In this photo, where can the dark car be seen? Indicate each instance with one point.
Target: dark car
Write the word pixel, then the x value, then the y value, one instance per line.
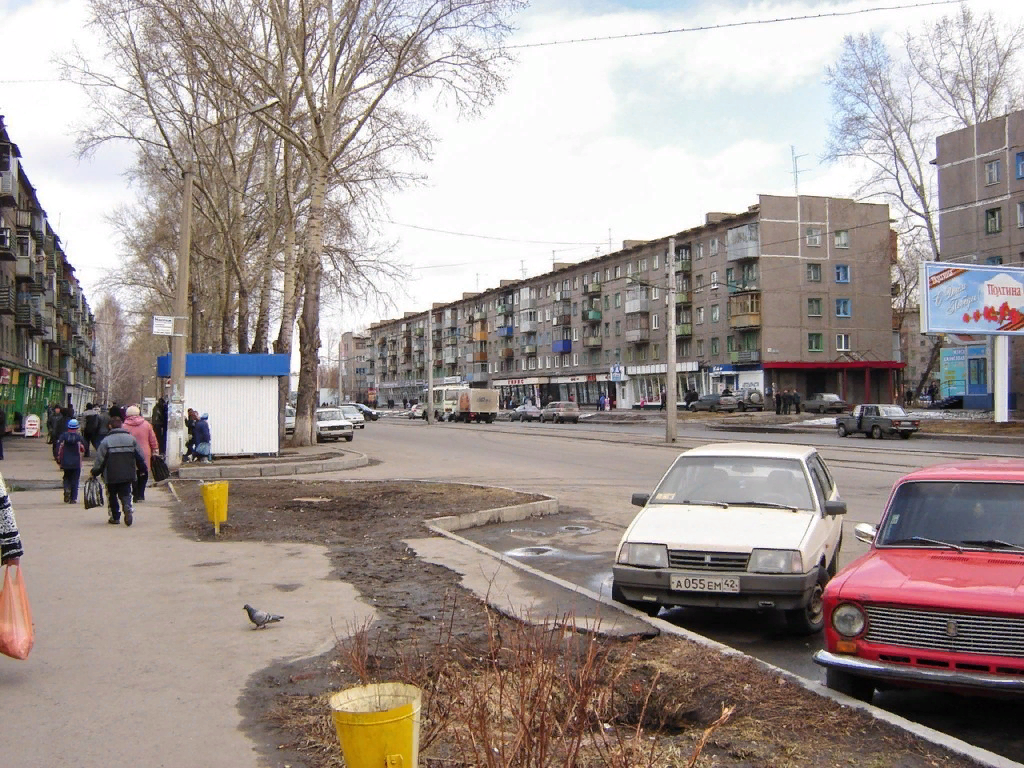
pixel 525 412
pixel 877 421
pixel 368 412
pixel 714 402
pixel 825 402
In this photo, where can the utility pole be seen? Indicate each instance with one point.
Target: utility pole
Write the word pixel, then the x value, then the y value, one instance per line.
pixel 176 413
pixel 670 373
pixel 429 405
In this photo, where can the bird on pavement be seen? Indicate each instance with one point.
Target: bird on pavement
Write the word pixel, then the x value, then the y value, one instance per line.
pixel 261 618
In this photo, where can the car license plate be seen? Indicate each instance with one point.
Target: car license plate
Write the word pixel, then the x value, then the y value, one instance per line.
pixel 694 582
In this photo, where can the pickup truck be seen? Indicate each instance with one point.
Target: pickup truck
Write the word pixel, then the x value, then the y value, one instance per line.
pixel 877 421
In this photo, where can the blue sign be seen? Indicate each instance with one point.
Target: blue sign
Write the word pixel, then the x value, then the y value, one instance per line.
pixel 972 299
pixel 616 373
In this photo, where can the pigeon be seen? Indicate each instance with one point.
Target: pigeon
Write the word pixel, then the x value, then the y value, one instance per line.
pixel 261 618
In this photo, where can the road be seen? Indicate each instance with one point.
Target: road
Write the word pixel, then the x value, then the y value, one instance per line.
pixel 592 470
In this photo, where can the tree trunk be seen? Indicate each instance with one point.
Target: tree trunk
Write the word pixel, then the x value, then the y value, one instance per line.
pixel 225 312
pixel 261 334
pixel 242 331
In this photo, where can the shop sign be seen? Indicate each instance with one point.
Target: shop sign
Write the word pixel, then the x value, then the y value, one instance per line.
pixel 616 373
pixel 5 375
pixel 15 375
pixel 972 299
pixel 31 425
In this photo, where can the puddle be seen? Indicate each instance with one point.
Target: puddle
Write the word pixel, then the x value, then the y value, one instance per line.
pixel 531 552
pixel 526 533
pixel 576 529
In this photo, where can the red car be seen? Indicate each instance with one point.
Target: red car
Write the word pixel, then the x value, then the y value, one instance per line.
pixel 938 601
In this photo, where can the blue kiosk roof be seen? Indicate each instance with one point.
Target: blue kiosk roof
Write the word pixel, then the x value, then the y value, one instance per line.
pixel 227 365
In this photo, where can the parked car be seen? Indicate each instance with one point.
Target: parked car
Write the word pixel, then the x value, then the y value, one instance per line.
pixel 748 399
pixel 525 412
pixel 560 411
pixel 353 414
pixel 367 411
pixel 417 412
pixel 331 425
pixel 936 601
pixel 735 525
pixel 825 402
pixel 712 401
pixel 878 421
pixel 289 420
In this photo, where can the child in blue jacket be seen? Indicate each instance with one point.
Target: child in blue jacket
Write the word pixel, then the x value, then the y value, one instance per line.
pixel 70 447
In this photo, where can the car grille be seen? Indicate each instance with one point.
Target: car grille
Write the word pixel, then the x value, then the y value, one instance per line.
pixel 944 631
pixel 708 561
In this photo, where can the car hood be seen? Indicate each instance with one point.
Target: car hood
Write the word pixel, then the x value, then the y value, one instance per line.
pixel 334 423
pixel 970 581
pixel 736 529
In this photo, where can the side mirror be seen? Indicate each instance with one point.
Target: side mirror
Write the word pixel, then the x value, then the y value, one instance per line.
pixel 640 499
pixel 865 532
pixel 834 508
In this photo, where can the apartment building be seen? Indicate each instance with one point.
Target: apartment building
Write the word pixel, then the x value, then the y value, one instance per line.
pixel 981 209
pixel 792 291
pixel 355 359
pixel 46 326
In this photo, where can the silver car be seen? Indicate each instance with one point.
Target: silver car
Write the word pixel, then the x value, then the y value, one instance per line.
pixel 350 413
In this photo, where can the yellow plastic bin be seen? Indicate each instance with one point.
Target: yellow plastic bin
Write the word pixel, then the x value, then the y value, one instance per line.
pixel 378 725
pixel 215 497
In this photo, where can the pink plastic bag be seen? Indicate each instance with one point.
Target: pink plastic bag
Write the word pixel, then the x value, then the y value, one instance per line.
pixel 16 632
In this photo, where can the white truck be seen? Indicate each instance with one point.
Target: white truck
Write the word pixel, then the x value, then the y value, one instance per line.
pixel 472 404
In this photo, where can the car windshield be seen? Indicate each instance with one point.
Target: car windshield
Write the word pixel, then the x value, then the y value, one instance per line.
pixel 735 480
pixel 965 514
pixel 329 414
pixel 892 411
pixel 350 410
pixel 829 398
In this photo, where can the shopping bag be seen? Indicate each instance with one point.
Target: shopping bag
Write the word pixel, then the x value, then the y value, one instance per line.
pixel 160 469
pixel 16 632
pixel 93 493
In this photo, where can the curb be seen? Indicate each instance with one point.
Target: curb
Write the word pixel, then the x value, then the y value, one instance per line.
pixel 445 526
pixel 800 430
pixel 250 471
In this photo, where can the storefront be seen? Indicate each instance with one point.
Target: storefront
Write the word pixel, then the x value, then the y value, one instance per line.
pixel 647 382
pixel 515 392
pixel 23 392
pixel 716 378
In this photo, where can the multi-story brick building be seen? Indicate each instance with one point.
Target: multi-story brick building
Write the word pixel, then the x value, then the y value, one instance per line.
pixel 981 207
pixel 355 358
pixel 46 326
pixel 793 291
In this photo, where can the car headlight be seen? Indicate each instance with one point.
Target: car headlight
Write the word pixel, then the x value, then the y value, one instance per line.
pixel 644 555
pixel 848 620
pixel 775 561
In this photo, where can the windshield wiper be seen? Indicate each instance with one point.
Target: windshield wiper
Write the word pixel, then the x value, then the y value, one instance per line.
pixel 771 504
pixel 722 504
pixel 993 543
pixel 923 540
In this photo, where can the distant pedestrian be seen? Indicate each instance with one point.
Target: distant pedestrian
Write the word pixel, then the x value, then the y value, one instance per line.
pixel 118 459
pixel 160 425
pixel 796 401
pixel 779 396
pixel 787 401
pixel 663 396
pixel 70 449
pixel 191 419
pixel 57 425
pixel 145 436
pixel 203 440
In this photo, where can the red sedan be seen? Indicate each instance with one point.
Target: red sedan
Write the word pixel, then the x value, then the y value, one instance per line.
pixel 938 600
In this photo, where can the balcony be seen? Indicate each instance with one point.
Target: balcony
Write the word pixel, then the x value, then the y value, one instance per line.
pixel 684 329
pixel 591 342
pixel 504 308
pixel 451 341
pixel 507 352
pixel 477 356
pixel 635 306
pixel 23 315
pixel 9 187
pixel 684 265
pixel 24 270
pixel 450 356
pixel 528 350
pixel 742 287
pixel 527 326
pixel 7 252
pixel 592 289
pixel 7 300
pixel 506 331
pixel 745 356
pixel 478 336
pixel 476 317
pixel 591 315
pixel 745 320
pixel 436 343
pixel 418 332
pixel 561 346
pixel 451 322
pixel 638 335
pixel 563 320
pixel 684 297
pixel 527 303
pixel 37 324
pixel 478 377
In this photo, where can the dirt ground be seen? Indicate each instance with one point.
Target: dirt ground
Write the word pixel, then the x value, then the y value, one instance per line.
pixel 502 694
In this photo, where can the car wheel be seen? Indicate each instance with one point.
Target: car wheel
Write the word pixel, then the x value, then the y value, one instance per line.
pixel 876 432
pixel 714 409
pixel 905 435
pixel 319 439
pixel 860 688
pixel 821 409
pixel 810 618
pixel 348 438
pixel 841 430
pixel 651 609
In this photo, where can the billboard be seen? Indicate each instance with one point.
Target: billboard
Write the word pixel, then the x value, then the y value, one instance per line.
pixel 972 299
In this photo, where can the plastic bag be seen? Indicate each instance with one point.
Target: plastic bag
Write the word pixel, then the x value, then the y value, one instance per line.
pixel 16 632
pixel 160 469
pixel 93 493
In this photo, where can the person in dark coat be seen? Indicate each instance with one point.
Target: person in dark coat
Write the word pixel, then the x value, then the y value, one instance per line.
pixel 796 401
pixel 787 401
pixel 70 448
pixel 119 460
pixel 57 429
pixel 201 435
pixel 778 402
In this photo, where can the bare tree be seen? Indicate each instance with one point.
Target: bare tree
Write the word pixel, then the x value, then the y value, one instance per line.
pixel 115 368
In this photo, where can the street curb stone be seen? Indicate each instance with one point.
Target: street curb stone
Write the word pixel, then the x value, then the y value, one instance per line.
pixel 351 460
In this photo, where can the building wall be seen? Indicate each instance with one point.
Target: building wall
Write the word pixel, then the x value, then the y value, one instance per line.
pixel 243 412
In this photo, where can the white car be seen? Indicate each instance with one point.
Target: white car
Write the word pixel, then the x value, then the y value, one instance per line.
pixel 353 414
pixel 289 419
pixel 735 525
pixel 331 425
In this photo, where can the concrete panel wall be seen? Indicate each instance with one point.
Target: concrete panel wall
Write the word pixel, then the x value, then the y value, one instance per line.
pixel 243 412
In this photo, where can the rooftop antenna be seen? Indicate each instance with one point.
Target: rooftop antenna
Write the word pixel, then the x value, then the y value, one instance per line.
pixel 796 170
pixel 609 239
pixel 522 267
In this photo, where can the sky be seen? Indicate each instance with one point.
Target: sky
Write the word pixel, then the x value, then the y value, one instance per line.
pixel 590 143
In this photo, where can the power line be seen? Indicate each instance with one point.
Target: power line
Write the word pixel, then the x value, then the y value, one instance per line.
pixel 491 237
pixel 732 24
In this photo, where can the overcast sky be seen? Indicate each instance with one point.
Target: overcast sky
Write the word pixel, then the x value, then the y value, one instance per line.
pixel 591 143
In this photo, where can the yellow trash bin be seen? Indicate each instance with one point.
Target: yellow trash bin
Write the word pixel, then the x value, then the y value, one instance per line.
pixel 215 497
pixel 378 725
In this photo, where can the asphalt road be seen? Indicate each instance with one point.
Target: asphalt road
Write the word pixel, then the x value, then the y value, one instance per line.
pixel 593 469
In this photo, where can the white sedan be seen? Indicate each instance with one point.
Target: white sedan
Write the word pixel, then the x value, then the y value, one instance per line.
pixel 735 525
pixel 331 425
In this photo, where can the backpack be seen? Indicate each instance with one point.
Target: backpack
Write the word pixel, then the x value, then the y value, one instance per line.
pixel 70 457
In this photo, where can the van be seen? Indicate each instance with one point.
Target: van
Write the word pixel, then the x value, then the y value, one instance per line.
pixel 479 405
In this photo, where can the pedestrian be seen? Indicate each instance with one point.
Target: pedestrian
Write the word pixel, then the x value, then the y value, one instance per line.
pixel 11 550
pixel 908 399
pixel 145 436
pixel 70 449
pixel 191 419
pixel 796 401
pixel 643 403
pixel 160 425
pixel 118 459
pixel 663 396
pixel 58 423
pixel 778 402
pixel 201 434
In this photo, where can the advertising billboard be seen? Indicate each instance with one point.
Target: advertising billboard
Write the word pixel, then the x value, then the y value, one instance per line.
pixel 972 299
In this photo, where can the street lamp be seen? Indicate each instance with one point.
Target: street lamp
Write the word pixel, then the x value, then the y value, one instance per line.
pixel 176 411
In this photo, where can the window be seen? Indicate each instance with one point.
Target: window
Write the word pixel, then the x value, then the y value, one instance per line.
pixel 700 315
pixel 842 342
pixel 686 348
pixel 655 351
pixel 618 327
pixel 842 238
pixel 993 261
pixel 575 283
pixel 993 221
pixel 700 250
pixel 655 320
pixel 607 330
pixel 714 246
pixel 575 358
pixel 813 235
pixel 575 307
pixel 700 347
pixel 715 313
pixel 575 334
pixel 607 274
pixel 814 307
pixel 642 265
pixel 1020 215
pixel 618 300
pixel 814 273
pixel 714 280
pixel 1020 165
pixel 699 284
pixel 843 308
pixel 715 347
pixel 730 277
pixel 814 342
pixel 842 273
pixel 629 269
pixel 547 314
pixel 618 271
pixel 607 301
pixel 655 266
pixel 655 293
pixel 992 172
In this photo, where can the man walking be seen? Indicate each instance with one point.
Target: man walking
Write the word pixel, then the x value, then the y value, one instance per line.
pixel 118 458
